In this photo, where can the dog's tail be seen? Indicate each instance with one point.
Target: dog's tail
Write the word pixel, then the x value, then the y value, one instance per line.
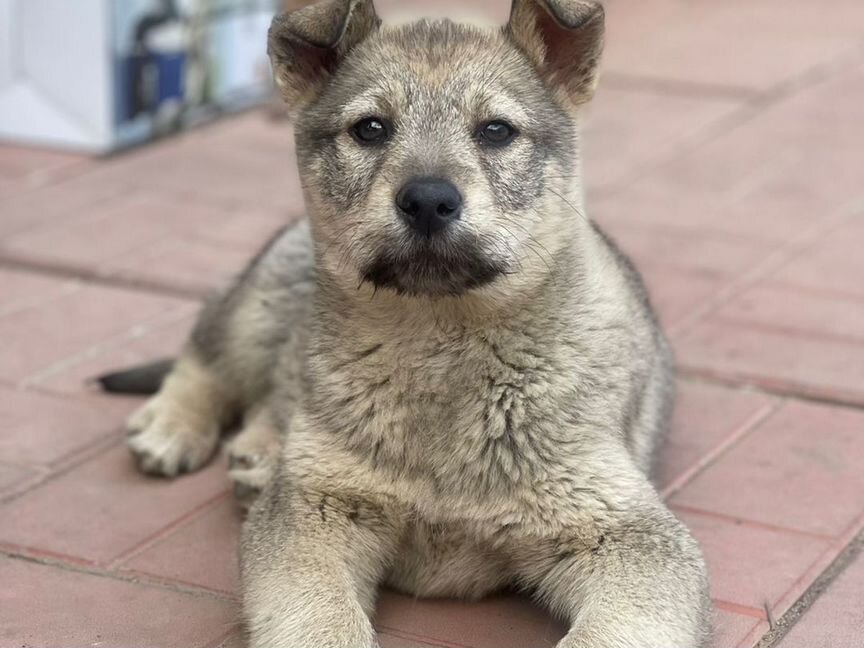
pixel 143 379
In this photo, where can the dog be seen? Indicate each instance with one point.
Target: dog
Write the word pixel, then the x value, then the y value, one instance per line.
pixel 448 379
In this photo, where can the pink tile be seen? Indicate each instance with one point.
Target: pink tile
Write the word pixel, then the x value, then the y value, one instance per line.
pixel 783 308
pixel 617 143
pixel 767 177
pixel 835 620
pixel 22 289
pixel 196 266
pixel 689 41
pixel 800 469
pixel 498 622
pixel 201 552
pixel 821 367
pixel 147 344
pixel 53 331
pixel 23 162
pixel 730 628
pixel 389 640
pixel 228 176
pixel 104 508
pixel 687 250
pixel 705 416
pixel 748 565
pixel 13 477
pixel 385 640
pixel 49 607
pixel 39 429
pixel 111 230
pixel 56 203
pixel 832 263
pixel 236 640
pixel 678 294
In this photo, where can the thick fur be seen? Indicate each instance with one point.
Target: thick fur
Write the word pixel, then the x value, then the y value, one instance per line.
pixel 485 412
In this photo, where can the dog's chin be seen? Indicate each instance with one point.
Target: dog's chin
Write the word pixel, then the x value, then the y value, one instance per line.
pixel 433 270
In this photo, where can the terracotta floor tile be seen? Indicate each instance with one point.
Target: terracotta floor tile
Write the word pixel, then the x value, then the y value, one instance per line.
pixel 104 508
pixel 388 640
pixel 150 343
pixel 49 607
pixel 687 250
pixel 192 265
pixel 730 628
pixel 13 476
pixel 226 176
pixel 679 294
pixel 23 161
pixel 688 41
pixel 705 416
pixel 617 143
pixel 800 469
pixel 767 177
pixel 835 620
pixel 39 429
pixel 203 551
pixel 503 622
pixel 22 211
pixel 752 566
pixel 20 290
pixel 779 360
pixel 832 263
pixel 53 331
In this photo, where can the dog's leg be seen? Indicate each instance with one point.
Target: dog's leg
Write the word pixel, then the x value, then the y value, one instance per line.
pixel 252 454
pixel 311 564
pixel 635 580
pixel 178 429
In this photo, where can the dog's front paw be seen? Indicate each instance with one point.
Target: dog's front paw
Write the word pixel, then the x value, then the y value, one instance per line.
pixel 168 440
pixel 251 461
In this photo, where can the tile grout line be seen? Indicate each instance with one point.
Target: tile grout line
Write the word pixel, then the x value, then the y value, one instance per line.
pixel 67 464
pixel 775 260
pixel 737 608
pixel 163 532
pixel 788 331
pixel 89 276
pixel 745 113
pixel 665 86
pixel 754 524
pixel 824 571
pixel 134 332
pixel 70 564
pixel 772 386
pixel 750 424
pixel 404 634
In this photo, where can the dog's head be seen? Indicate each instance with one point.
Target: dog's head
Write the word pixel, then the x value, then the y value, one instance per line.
pixel 437 158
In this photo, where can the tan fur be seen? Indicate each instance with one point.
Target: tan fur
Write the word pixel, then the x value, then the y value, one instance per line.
pixel 449 429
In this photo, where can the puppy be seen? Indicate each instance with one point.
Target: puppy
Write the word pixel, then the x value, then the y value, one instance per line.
pixel 450 381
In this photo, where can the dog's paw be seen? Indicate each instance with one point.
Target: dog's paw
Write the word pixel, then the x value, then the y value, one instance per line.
pixel 169 441
pixel 251 461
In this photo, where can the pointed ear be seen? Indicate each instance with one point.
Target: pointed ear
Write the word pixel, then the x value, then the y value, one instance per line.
pixel 564 40
pixel 306 45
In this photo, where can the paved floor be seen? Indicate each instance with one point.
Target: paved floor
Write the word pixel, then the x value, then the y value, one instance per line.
pixel 724 152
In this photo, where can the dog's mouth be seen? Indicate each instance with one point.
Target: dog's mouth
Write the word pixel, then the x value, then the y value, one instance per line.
pixel 433 269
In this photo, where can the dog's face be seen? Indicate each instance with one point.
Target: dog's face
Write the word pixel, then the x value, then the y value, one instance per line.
pixel 437 158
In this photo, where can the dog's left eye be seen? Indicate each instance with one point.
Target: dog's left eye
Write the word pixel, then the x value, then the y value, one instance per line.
pixel 497 133
pixel 370 131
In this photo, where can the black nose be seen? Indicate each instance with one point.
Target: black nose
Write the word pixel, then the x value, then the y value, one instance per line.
pixel 428 204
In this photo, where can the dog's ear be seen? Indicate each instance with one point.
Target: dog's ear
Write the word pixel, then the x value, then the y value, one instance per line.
pixel 306 45
pixel 564 40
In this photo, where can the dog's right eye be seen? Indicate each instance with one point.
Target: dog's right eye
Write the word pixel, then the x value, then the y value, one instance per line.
pixel 371 131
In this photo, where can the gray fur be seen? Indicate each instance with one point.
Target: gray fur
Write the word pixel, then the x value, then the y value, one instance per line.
pixel 416 426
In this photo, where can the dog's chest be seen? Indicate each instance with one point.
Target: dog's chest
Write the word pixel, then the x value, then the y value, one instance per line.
pixel 465 412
